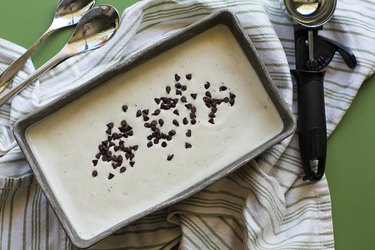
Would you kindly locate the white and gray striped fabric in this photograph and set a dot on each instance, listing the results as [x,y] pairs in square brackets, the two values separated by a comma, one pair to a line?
[263,205]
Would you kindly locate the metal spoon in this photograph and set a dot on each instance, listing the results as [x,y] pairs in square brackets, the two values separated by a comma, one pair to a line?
[94,29]
[67,13]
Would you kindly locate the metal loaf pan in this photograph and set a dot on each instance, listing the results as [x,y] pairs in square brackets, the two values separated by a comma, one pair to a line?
[50,188]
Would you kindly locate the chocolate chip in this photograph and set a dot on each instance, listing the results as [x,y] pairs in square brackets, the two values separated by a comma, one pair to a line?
[170,157]
[178,92]
[178,85]
[183,99]
[211,115]
[208,94]
[94,173]
[193,121]
[156,112]
[139,113]
[164,144]
[231,102]
[168,89]
[177,77]
[188,76]
[207,85]
[176,112]
[157,100]
[145,111]
[110,125]
[172,132]
[187,145]
[149,144]
[97,156]
[161,122]
[226,99]
[232,96]
[124,108]
[124,123]
[188,133]
[175,122]
[132,163]
[223,88]
[188,106]
[211,120]
[193,109]
[146,118]
[109,131]
[185,121]
[120,158]
[95,162]
[156,141]
[110,176]
[194,96]
[122,169]
[183,87]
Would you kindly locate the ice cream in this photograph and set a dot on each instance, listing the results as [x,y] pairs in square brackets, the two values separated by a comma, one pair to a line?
[187,114]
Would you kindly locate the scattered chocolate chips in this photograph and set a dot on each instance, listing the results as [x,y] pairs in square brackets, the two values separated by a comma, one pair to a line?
[117,153]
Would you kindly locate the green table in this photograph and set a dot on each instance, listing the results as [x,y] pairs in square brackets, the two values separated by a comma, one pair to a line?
[350,170]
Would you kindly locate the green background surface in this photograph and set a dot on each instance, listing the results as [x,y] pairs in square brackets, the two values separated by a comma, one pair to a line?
[350,170]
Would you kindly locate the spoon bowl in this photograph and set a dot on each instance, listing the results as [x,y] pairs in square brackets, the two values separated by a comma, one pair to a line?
[95,28]
[67,13]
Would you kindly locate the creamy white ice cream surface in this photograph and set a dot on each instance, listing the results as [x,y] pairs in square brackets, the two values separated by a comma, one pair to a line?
[160,143]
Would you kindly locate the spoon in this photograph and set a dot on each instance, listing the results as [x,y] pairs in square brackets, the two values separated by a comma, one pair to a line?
[94,30]
[67,13]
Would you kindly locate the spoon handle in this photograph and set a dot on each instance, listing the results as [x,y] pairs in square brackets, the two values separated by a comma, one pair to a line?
[59,57]
[7,76]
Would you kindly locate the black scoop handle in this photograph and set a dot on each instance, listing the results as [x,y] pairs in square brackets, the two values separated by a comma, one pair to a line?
[312,129]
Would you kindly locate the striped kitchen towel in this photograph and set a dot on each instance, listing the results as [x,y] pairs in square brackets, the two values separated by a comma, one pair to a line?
[263,205]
